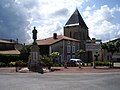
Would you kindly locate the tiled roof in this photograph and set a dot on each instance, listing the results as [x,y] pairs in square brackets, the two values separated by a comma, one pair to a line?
[51,40]
[10,52]
[5,41]
[76,19]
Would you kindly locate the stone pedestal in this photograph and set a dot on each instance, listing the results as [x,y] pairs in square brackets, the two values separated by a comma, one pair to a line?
[34,63]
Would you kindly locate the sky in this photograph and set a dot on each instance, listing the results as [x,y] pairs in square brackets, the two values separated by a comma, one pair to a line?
[18,17]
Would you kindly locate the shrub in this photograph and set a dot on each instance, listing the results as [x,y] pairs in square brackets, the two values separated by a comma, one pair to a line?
[11,64]
[2,64]
[21,64]
[100,63]
[6,58]
[55,65]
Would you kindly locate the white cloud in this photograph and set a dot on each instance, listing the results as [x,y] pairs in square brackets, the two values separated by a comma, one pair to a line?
[49,16]
[13,21]
[18,17]
[100,22]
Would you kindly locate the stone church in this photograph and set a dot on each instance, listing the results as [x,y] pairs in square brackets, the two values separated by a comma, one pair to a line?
[77,29]
[74,38]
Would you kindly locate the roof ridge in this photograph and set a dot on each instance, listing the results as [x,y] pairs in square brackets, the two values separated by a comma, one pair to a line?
[50,40]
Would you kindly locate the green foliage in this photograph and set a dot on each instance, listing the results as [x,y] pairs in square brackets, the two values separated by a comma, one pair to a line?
[100,63]
[8,58]
[2,64]
[12,64]
[88,64]
[79,52]
[25,51]
[21,63]
[104,46]
[57,65]
[54,55]
[117,44]
[111,47]
[46,59]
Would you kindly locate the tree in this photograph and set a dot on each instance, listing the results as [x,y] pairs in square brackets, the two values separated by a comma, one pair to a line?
[117,44]
[46,60]
[49,60]
[54,55]
[25,51]
[111,47]
[79,52]
[104,46]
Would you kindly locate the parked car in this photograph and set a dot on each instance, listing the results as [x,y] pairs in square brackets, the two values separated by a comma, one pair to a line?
[75,62]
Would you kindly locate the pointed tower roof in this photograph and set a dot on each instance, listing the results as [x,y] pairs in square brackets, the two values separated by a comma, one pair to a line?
[76,19]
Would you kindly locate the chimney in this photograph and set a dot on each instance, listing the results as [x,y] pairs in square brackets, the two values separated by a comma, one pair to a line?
[17,40]
[93,40]
[11,40]
[54,35]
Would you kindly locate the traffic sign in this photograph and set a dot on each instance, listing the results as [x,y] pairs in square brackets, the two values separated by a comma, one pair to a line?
[93,47]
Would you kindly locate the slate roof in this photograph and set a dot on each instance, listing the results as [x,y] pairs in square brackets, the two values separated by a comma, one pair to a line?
[76,19]
[51,40]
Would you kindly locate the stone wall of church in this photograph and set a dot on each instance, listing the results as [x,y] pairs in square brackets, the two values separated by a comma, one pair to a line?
[76,32]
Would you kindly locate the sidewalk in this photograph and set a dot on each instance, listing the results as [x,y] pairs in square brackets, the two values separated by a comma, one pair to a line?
[85,70]
[7,70]
[69,70]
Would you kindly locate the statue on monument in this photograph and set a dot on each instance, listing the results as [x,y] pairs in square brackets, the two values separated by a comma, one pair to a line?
[34,34]
[34,63]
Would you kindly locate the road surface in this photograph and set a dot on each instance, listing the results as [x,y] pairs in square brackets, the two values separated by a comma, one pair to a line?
[60,81]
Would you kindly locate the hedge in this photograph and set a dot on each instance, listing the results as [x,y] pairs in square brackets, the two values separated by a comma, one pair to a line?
[102,63]
[9,58]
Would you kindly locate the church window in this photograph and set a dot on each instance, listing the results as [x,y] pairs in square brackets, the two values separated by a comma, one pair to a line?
[68,49]
[73,56]
[68,57]
[73,49]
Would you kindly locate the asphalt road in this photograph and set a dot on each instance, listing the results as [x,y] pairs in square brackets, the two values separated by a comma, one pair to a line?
[69,81]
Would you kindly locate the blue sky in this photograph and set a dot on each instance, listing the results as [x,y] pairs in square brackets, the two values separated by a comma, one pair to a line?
[18,17]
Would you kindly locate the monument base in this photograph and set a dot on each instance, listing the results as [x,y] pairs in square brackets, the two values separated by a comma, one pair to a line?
[35,67]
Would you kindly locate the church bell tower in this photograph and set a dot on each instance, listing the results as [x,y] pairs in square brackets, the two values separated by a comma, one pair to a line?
[77,29]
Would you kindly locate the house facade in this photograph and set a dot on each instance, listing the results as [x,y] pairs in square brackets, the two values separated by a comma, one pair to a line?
[8,47]
[75,35]
[116,56]
[66,46]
